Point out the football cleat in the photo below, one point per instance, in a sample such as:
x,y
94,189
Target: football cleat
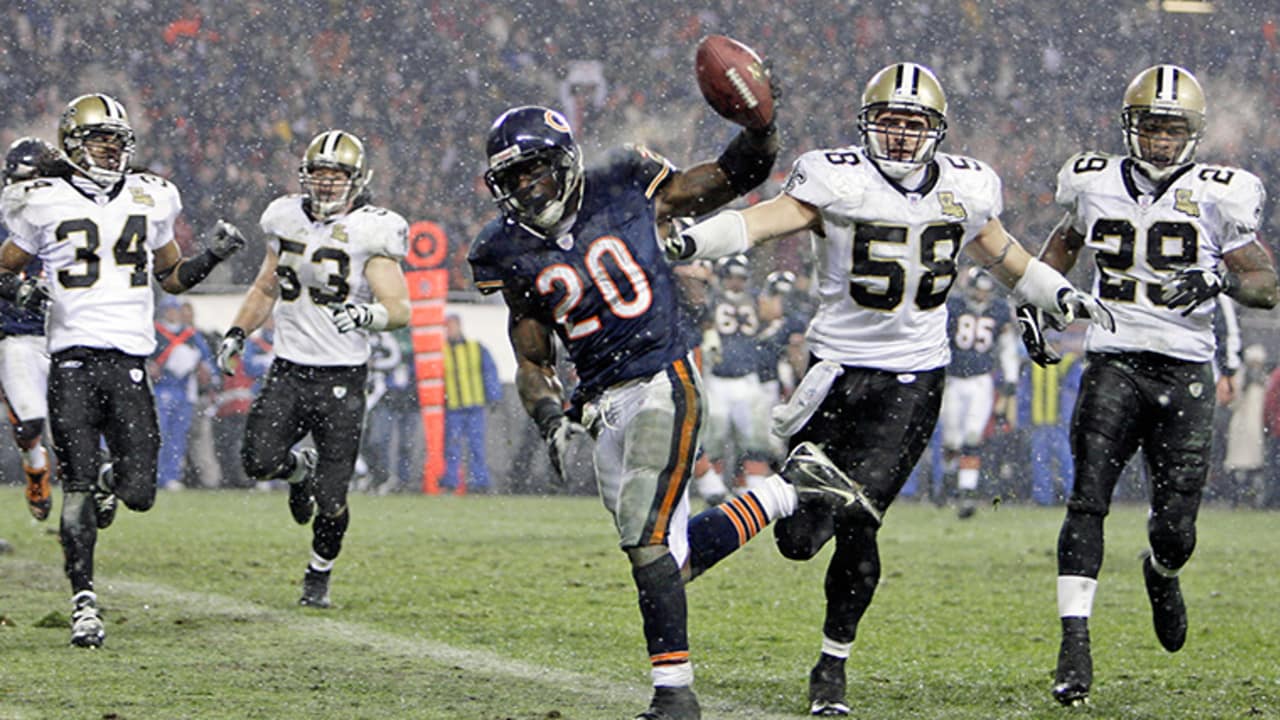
x,y
1075,663
86,625
301,500
815,477
1168,612
672,703
104,497
826,688
39,496
315,589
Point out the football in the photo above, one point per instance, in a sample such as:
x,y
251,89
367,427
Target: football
x,y
733,79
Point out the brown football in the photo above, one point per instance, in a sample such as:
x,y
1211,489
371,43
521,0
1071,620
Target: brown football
x,y
733,79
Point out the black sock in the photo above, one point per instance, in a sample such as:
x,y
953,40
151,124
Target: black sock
x,y
665,613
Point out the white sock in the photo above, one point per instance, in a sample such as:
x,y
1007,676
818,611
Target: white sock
x,y
320,564
776,496
710,485
967,479
835,649
678,675
1075,595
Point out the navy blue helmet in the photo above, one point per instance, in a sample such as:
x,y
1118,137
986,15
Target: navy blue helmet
x,y
732,266
30,157
535,167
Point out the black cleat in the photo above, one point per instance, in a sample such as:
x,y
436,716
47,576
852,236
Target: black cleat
x,y
672,703
301,490
1075,663
815,477
315,589
1168,612
104,497
826,688
86,625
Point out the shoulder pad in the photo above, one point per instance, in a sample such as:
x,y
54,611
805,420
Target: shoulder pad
x,y
1239,194
1079,172
818,177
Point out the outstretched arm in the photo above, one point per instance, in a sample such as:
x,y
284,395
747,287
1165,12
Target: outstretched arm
x,y
732,231
743,165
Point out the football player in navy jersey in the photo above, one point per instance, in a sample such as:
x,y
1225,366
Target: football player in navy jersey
x,y
1170,236
100,320
24,358
979,325
576,253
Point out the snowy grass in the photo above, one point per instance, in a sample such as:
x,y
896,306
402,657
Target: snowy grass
x,y
505,608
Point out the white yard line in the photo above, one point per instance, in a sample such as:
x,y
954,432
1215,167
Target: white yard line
x,y
476,662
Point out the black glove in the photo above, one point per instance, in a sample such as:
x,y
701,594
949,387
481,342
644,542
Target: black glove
x,y
32,295
1031,322
230,348
1192,286
677,246
227,240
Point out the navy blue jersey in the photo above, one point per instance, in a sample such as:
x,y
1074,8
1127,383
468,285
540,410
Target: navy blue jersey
x,y
974,331
605,287
737,320
15,321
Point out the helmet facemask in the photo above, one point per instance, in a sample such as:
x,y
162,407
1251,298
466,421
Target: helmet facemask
x,y
541,188
328,192
901,137
903,118
96,137
1161,140
1163,119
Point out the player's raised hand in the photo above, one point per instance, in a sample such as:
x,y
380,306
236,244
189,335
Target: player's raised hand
x,y
227,240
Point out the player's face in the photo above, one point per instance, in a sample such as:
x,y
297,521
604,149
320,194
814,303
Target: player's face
x,y
105,148
1161,138
901,133
329,184
534,184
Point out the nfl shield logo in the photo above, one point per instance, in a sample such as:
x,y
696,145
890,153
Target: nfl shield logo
x,y
339,391
1196,389
135,375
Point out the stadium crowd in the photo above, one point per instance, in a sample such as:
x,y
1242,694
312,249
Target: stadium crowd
x,y
225,95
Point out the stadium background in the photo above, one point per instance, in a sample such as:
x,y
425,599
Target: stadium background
x,y
224,96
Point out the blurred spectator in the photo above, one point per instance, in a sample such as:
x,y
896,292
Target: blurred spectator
x,y
175,365
1246,443
470,385
393,426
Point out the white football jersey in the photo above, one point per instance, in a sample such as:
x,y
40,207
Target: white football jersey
x,y
887,257
321,263
97,255
1141,239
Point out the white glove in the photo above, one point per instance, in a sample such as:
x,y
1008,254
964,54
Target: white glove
x,y
559,441
1075,305
712,350
33,295
349,316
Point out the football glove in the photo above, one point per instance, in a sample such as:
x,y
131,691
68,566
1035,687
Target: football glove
x,y
1031,322
230,349
559,441
1075,305
32,295
677,246
349,316
227,240
1192,286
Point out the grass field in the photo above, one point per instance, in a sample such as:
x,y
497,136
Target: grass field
x,y
520,608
